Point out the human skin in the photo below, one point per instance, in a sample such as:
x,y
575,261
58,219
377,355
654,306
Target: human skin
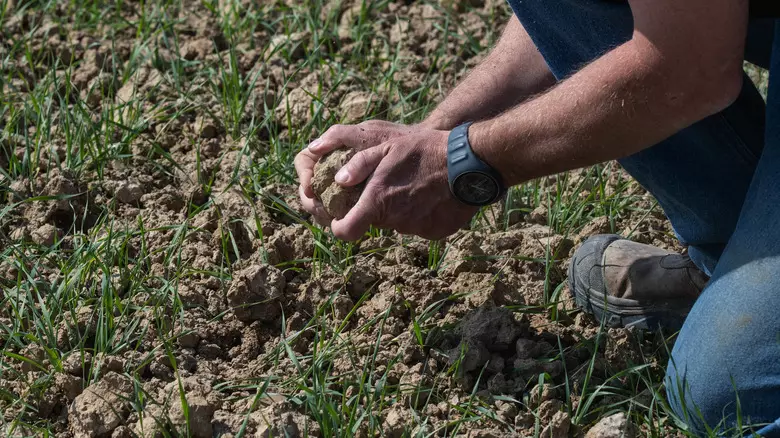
x,y
674,71
490,88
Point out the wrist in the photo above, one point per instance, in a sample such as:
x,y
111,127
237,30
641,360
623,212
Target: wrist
x,y
472,181
437,122
487,149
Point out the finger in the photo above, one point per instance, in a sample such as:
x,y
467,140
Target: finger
x,y
360,166
351,136
321,217
314,207
304,166
357,222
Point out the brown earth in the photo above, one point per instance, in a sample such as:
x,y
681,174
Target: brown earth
x,y
336,200
244,269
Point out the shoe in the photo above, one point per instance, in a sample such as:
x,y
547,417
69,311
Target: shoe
x,y
629,284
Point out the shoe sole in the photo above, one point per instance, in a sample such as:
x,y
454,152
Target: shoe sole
x,y
619,312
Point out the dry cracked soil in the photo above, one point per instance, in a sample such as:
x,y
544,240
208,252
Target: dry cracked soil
x,y
160,278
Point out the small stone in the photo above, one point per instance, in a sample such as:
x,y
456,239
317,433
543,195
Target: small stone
x,y
614,426
129,193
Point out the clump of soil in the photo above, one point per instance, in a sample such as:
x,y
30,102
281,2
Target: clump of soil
x,y
483,333
254,291
101,407
336,199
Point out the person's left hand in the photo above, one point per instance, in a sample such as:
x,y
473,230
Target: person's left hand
x,y
406,189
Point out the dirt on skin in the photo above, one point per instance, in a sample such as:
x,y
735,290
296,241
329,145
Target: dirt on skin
x,y
240,265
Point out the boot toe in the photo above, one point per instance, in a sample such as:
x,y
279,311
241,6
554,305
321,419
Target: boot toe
x,y
588,287
585,269
586,277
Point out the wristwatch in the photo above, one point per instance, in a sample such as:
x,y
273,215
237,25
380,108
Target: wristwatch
x,y
472,181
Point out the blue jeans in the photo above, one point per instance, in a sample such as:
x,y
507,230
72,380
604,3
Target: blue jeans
x,y
718,182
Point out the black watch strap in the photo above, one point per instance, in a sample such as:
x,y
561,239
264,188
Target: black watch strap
x,y
461,159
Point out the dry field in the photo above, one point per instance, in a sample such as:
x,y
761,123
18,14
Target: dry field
x,y
159,277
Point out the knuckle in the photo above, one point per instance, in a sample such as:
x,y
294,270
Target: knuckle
x,y
341,130
333,131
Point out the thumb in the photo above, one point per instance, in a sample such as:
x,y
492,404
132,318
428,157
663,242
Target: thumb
x,y
360,166
357,222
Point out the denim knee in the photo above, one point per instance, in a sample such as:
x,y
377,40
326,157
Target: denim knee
x,y
721,374
692,393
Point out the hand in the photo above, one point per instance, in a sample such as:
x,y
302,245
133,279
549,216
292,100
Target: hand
x,y
362,136
407,191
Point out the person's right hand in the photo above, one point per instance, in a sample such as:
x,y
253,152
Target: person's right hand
x,y
361,136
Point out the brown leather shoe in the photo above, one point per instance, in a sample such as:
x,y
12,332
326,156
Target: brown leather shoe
x,y
630,284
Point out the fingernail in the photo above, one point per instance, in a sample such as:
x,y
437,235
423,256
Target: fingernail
x,y
315,144
342,176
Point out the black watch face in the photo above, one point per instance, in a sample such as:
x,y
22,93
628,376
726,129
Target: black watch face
x,y
475,188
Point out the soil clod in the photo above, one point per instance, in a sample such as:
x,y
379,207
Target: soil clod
x,y
336,199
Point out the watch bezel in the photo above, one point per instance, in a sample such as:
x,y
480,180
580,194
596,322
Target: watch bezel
x,y
494,197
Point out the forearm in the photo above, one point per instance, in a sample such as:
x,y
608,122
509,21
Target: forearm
x,y
512,71
631,98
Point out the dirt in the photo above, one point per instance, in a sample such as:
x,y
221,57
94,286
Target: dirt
x,y
336,199
614,426
208,267
101,407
